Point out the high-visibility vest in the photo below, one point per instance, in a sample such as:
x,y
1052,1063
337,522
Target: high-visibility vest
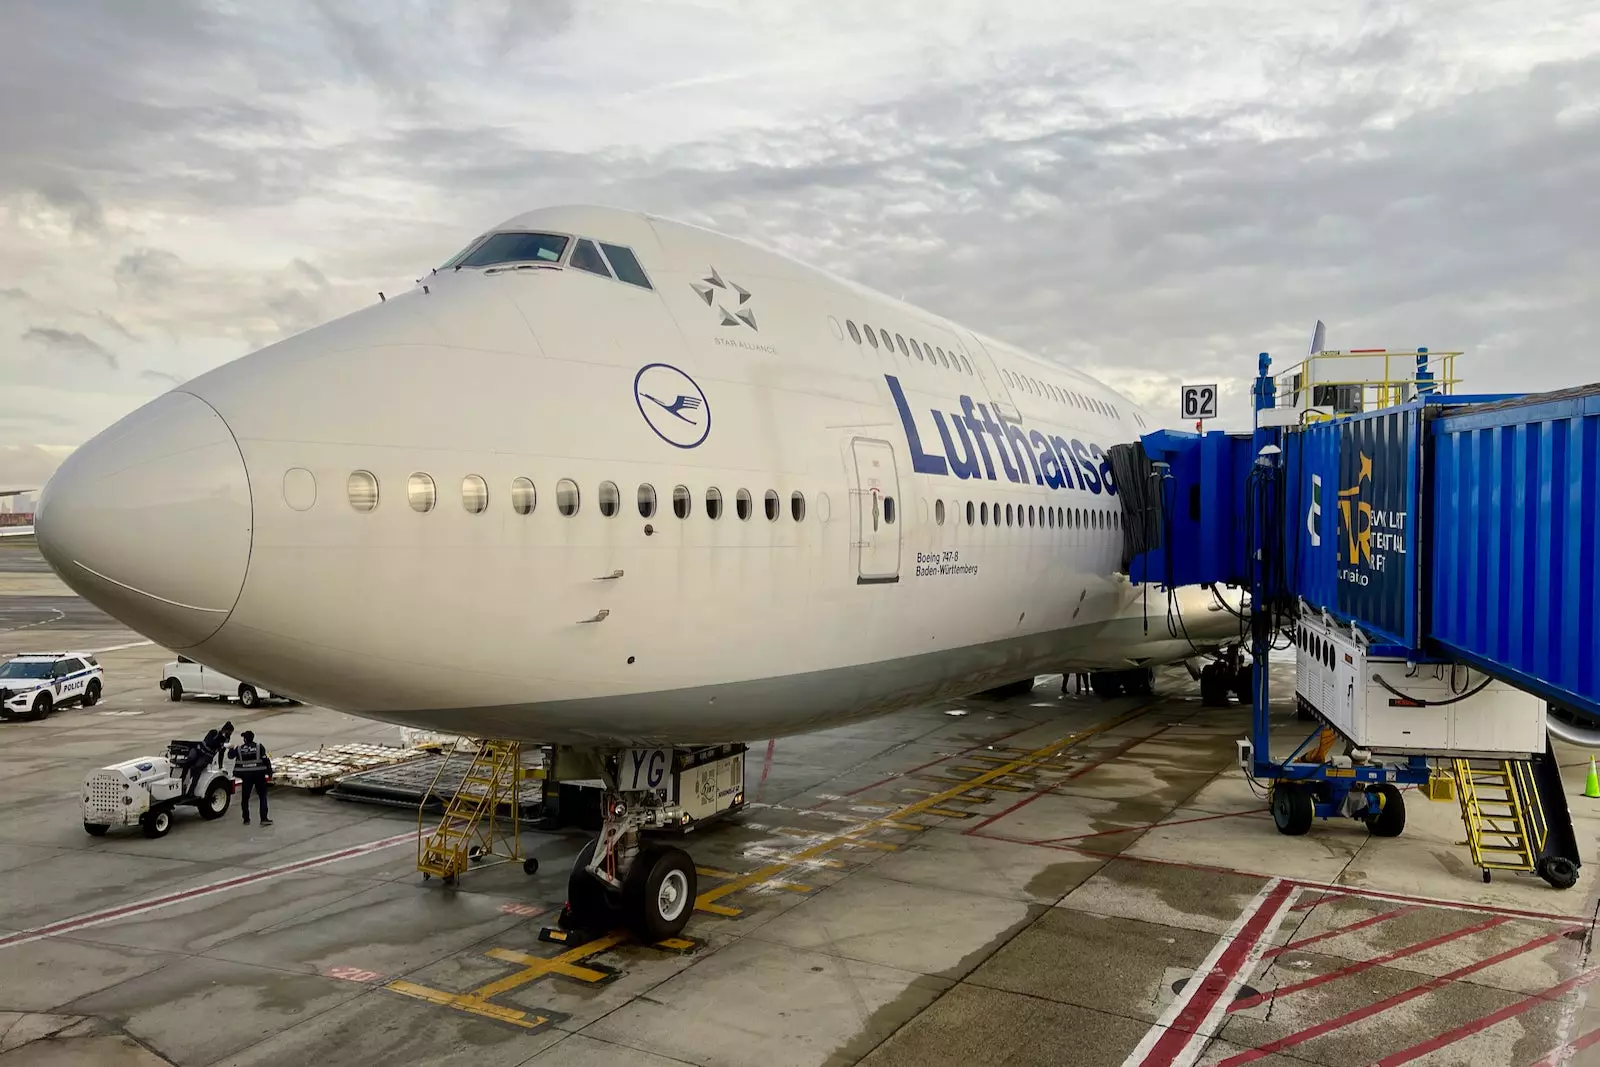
x,y
252,759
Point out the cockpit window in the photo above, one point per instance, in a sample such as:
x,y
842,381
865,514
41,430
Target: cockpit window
x,y
514,248
626,264
587,257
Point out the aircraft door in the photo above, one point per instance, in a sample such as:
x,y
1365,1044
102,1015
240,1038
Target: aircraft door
x,y
876,500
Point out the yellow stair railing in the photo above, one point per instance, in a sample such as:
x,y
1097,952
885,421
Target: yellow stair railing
x,y
473,827
1506,826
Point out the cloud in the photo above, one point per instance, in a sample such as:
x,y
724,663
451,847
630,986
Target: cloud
x,y
1147,192
160,377
70,342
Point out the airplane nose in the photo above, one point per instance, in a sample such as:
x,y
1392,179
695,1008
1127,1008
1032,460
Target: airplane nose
x,y
150,521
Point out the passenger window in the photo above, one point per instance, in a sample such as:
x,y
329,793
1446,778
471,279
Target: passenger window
x,y
983,514
965,365
1008,514
610,499
422,493
1061,517
938,512
713,503
771,502
680,501
362,488
523,496
514,248
626,265
797,505
887,341
1030,515
585,256
741,504
647,500
855,334
567,496
942,358
969,513
888,509
872,336
915,348
474,494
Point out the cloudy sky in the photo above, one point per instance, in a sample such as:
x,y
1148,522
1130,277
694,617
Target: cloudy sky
x,y
1153,191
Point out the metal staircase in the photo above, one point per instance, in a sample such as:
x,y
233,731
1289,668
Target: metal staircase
x,y
1506,827
473,827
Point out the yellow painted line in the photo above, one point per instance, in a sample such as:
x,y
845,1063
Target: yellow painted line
x,y
912,827
948,814
469,1003
707,901
539,966
981,781
714,872
677,944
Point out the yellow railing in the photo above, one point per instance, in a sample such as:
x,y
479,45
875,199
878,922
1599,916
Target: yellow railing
x,y
1367,380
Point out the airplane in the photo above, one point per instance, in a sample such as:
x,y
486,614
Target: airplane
x,y
610,482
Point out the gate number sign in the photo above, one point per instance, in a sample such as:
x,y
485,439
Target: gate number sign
x,y
1199,402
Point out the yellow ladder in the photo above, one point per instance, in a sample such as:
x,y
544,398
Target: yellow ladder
x,y
1505,822
472,823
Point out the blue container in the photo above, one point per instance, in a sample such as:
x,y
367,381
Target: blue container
x,y
1516,487
1204,528
1351,517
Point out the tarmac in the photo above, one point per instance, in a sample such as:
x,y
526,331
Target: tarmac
x,y
1053,879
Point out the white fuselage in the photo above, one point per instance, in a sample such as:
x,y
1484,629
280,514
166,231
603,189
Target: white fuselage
x,y
222,519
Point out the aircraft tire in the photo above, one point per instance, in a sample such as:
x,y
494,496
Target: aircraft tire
x,y
659,893
590,906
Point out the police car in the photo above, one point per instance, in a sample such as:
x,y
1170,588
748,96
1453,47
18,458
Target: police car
x,y
36,683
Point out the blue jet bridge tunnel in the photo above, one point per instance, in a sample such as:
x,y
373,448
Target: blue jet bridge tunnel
x,y
1431,560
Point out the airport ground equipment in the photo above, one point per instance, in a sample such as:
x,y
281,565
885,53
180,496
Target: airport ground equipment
x,y
145,792
482,819
1430,559
628,874
184,677
34,684
324,766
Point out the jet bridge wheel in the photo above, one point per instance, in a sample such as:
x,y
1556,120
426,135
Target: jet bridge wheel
x,y
1292,808
1390,820
1559,871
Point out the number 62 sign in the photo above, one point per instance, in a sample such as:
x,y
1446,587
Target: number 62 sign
x,y
1199,402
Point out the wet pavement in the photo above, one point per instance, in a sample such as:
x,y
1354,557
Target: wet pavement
x,y
1052,879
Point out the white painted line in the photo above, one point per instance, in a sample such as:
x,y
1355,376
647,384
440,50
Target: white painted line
x,y
119,648
123,911
1180,1035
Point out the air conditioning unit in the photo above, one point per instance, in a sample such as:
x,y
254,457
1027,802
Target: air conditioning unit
x,y
1336,678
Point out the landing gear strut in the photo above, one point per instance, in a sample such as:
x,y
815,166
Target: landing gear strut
x,y
1225,676
626,877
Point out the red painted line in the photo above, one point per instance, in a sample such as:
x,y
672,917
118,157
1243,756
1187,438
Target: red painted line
x,y
1307,905
1557,1056
95,918
924,766
1333,892
1146,826
1450,1037
1077,772
1377,1007
1342,930
1173,1036
1365,965
766,767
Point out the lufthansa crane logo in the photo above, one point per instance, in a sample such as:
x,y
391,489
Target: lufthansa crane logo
x,y
714,291
672,405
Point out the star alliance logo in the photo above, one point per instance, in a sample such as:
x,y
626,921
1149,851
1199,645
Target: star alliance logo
x,y
713,290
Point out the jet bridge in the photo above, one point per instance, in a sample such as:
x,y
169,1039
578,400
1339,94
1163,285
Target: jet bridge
x,y
1430,558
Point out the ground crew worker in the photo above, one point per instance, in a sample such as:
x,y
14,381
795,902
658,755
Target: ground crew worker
x,y
254,769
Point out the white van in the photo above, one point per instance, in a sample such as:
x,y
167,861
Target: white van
x,y
184,677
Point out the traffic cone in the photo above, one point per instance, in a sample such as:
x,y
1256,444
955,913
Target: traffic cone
x,y
1591,787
